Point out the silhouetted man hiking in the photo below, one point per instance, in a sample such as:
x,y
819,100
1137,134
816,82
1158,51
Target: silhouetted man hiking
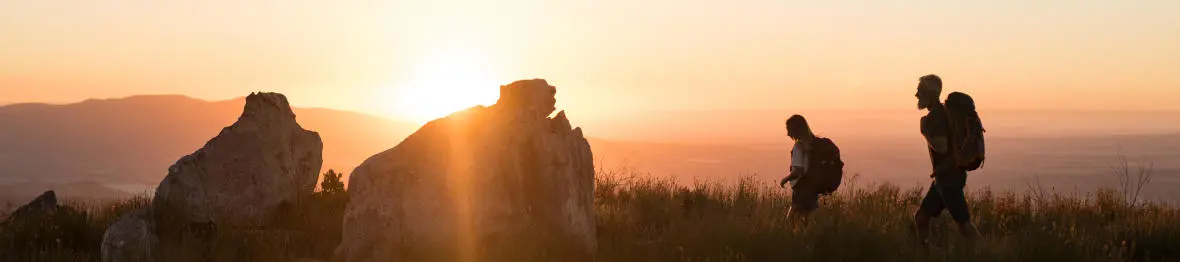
x,y
946,192
816,168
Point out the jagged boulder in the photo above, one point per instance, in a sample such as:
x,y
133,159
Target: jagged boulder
x,y
131,238
248,173
487,183
44,204
44,227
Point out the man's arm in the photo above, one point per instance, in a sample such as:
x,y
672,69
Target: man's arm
x,y
936,129
940,145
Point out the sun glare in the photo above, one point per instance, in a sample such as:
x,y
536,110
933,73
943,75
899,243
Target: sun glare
x,y
444,84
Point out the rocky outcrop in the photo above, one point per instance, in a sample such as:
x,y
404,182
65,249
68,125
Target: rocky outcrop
x,y
131,238
248,172
246,179
480,184
44,204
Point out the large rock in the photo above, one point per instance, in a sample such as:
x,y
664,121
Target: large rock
x,y
487,183
44,204
131,238
248,173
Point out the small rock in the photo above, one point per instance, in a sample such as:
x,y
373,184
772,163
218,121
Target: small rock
x,y
43,204
131,238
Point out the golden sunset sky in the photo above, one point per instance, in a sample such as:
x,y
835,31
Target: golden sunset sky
x,y
419,59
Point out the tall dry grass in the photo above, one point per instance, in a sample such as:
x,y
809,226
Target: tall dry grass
x,y
658,220
647,219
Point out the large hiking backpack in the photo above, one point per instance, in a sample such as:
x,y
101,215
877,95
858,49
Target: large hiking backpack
x,y
966,131
825,169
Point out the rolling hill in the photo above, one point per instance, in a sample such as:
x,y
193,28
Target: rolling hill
x,y
110,148
120,143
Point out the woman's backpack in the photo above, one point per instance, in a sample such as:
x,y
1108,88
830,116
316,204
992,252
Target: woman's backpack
x,y
825,169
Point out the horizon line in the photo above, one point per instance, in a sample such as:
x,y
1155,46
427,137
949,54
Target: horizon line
x,y
649,110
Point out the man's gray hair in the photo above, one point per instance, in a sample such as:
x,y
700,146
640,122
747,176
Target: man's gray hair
x,y
931,82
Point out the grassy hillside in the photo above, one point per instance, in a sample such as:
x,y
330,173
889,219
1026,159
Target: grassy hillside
x,y
646,220
641,219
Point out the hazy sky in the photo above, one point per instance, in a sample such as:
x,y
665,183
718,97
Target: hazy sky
x,y
399,57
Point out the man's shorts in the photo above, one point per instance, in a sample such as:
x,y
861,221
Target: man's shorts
x,y
945,197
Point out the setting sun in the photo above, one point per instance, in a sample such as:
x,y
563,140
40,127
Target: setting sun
x,y
444,83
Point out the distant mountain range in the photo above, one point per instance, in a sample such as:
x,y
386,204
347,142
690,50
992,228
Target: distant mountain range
x,y
133,140
110,147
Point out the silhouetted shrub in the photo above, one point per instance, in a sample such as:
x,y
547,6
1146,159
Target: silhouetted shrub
x,y
332,183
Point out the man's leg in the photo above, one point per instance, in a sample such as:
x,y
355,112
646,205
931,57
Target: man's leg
x,y
932,205
956,204
969,231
